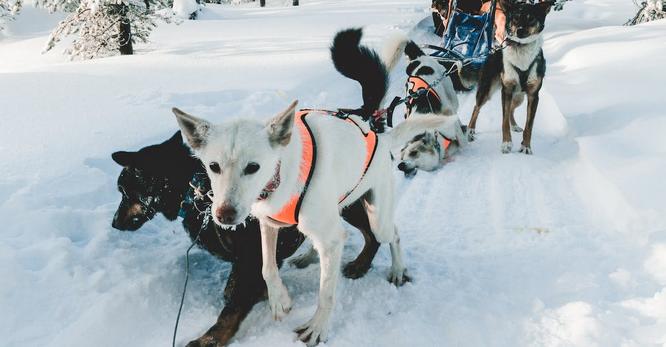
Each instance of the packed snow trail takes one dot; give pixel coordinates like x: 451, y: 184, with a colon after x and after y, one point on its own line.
x: 566, y: 247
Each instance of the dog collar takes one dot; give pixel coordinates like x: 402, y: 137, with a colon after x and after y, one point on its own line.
x: 272, y: 185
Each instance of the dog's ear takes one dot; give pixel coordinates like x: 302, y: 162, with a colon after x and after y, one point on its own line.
x: 125, y: 159
x: 195, y: 129
x: 175, y: 140
x: 279, y: 128
x: 413, y: 51
x: 429, y: 138
x: 545, y: 6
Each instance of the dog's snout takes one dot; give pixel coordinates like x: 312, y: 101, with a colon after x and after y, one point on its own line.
x: 407, y: 170
x: 226, y: 214
x: 521, y: 32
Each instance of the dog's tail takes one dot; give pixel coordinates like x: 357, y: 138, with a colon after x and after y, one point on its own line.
x: 407, y: 130
x: 361, y: 64
x: 393, y: 49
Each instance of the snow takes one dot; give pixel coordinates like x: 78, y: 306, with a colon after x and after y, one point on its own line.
x: 563, y: 248
x: 184, y: 8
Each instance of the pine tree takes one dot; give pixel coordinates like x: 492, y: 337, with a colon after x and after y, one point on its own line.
x: 104, y: 27
x: 8, y: 8
x: 648, y: 11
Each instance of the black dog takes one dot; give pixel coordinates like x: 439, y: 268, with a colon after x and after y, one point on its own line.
x: 160, y: 179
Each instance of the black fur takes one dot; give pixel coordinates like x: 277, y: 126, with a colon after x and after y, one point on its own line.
x: 362, y: 65
x: 157, y: 179
x: 411, y: 67
x: 425, y: 70
x: 413, y: 51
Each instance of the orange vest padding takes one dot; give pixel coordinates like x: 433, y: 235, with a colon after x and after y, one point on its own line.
x: 414, y: 84
x: 288, y: 214
x: 445, y: 143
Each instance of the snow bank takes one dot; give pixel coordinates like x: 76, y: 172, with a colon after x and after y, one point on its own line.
x: 565, y: 247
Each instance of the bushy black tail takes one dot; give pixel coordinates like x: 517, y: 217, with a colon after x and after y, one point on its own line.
x: 361, y: 64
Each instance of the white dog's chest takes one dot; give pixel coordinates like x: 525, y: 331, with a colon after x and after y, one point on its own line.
x: 520, y: 64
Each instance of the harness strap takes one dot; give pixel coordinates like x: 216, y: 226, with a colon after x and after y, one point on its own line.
x: 370, y: 149
x: 415, y: 85
x: 288, y: 214
x: 442, y: 145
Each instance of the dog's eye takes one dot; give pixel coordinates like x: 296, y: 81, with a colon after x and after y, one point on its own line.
x: 413, y: 154
x: 251, y: 168
x: 215, y: 167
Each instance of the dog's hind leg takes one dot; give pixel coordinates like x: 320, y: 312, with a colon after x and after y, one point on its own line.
x: 356, y: 216
x: 380, y: 208
x: 483, y: 93
x: 328, y: 237
x: 489, y: 79
x: 306, y: 259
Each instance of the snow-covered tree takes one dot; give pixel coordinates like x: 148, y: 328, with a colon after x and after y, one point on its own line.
x: 559, y: 5
x: 58, y: 5
x: 8, y: 8
x: 105, y: 27
x: 648, y: 11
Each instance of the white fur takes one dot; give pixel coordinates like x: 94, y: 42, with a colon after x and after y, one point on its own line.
x: 392, y: 49
x: 432, y: 160
x: 521, y: 57
x: 340, y: 149
x: 443, y: 86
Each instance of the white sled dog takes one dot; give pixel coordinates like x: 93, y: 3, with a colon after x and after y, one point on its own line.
x: 304, y: 167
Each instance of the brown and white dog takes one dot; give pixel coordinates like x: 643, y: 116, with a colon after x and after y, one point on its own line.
x: 518, y: 69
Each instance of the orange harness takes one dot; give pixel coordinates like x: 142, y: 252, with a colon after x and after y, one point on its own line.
x: 288, y: 214
x: 445, y: 142
x: 414, y: 85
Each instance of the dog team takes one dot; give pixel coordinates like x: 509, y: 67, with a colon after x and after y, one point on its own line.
x: 276, y: 183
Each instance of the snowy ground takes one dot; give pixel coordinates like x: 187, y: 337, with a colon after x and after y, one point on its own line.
x: 563, y: 248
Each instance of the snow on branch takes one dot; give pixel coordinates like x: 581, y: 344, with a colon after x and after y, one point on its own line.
x: 648, y: 11
x: 8, y: 8
x: 105, y: 27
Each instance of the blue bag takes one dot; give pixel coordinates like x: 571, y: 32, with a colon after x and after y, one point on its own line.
x: 469, y: 37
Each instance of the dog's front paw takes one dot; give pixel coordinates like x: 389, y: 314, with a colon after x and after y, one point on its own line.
x: 526, y: 149
x: 516, y: 129
x: 314, y: 331
x: 399, y: 277
x: 471, y: 134
x: 205, y: 341
x: 506, y: 147
x: 279, y: 301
